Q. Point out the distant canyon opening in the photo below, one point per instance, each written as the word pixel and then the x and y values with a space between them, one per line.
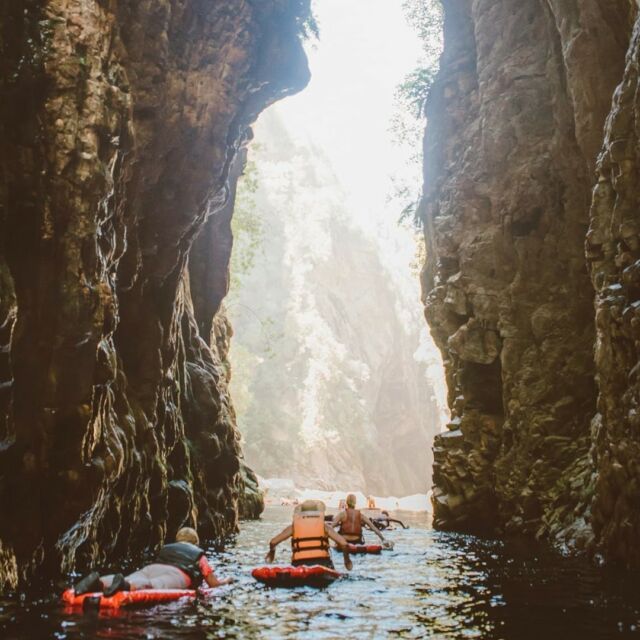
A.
pixel 336 382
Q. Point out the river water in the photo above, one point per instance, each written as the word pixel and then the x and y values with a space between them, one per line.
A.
pixel 432 585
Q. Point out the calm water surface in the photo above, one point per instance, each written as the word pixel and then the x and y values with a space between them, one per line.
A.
pixel 433 585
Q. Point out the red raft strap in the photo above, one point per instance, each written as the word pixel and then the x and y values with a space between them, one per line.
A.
pixel 127 598
pixel 365 548
pixel 302 573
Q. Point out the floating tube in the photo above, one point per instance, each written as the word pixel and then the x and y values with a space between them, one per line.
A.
pixel 315 575
pixel 365 548
pixel 384 523
pixel 140 597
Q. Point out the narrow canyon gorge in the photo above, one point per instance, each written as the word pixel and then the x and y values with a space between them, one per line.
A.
pixel 124 127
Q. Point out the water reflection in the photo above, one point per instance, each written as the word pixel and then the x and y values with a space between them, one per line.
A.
pixel 433 585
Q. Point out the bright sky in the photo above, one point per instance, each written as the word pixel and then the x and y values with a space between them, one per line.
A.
pixel 366 49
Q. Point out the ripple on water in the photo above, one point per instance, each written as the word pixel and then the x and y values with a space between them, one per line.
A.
pixel 432 585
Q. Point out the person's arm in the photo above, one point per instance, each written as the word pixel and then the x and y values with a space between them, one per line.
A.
pixel 338 518
pixel 275 541
pixel 376 531
pixel 209 575
pixel 212 581
pixel 342 544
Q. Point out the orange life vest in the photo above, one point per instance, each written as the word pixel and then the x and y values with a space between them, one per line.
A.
pixel 352 525
pixel 309 539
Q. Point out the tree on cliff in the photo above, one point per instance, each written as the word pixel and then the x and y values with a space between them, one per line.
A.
pixel 411 97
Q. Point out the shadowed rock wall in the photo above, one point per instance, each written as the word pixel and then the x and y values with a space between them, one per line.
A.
pixel 120 122
pixel 613 250
pixel 516 121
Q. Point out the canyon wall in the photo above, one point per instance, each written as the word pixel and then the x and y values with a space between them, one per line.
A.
pixel 122 124
pixel 544 437
pixel 327 387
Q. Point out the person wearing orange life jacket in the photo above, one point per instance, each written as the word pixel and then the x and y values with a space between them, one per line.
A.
pixel 350 521
pixel 310 535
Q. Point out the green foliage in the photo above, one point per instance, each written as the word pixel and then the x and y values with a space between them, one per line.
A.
pixel 426 17
pixel 246 226
pixel 407 124
pixel 406 195
pixel 245 364
pixel 410 213
pixel 267 335
pixel 413 92
pixel 248 231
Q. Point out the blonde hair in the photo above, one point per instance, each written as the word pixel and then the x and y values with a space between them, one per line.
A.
pixel 187 534
pixel 351 501
pixel 312 505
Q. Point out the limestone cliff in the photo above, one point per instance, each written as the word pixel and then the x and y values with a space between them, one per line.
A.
pixel 516 121
pixel 121 124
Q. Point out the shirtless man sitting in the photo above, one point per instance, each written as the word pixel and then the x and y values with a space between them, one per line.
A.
pixel 350 522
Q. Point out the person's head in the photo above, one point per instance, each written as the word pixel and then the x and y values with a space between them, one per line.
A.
pixel 351 501
pixel 312 505
pixel 187 534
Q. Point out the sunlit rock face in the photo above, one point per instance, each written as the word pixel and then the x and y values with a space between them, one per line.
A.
pixel 328 389
pixel 120 126
pixel 515 128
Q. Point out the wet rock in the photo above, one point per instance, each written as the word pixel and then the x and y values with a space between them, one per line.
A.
pixel 615 273
pixel 509 172
pixel 473 344
pixel 251 499
pixel 121 126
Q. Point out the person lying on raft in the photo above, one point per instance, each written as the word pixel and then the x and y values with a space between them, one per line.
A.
pixel 350 521
pixel 310 535
pixel 179 565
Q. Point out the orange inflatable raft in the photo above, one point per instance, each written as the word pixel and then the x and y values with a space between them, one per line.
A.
pixel 142 597
pixel 365 548
pixel 315 576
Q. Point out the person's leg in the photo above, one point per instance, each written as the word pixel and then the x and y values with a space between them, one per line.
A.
pixel 153 576
pixel 88 584
pixel 139 579
pixel 106 580
pixel 164 576
pixel 119 583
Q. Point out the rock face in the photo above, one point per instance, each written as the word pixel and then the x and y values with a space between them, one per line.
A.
pixel 516 122
pixel 327 388
pixel 121 127
pixel 251 500
pixel 613 250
